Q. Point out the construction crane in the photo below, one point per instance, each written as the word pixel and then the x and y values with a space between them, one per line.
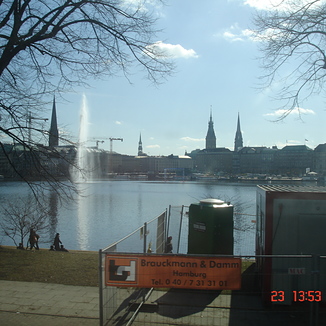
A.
pixel 111 143
pixel 97 141
pixel 29 122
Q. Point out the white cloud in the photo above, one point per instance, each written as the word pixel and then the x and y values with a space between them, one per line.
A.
pixel 192 139
pixel 295 111
pixel 276 4
pixel 263 4
pixel 172 51
pixel 118 122
pixel 235 34
pixel 232 37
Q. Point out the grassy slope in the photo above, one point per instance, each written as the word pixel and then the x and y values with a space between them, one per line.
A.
pixel 70 268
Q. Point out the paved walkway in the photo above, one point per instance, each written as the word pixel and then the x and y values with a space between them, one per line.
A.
pixel 39 304
pixel 205 308
pixel 31 303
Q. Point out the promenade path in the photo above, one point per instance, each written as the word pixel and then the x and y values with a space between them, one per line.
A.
pixel 39 304
pixel 34 303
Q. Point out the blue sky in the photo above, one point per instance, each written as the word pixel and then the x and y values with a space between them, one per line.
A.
pixel 216 66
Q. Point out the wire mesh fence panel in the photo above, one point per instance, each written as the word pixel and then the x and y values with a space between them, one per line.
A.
pixel 291 300
pixel 118 305
pixel 183 240
pixel 321 280
pixel 275 289
pixel 133 242
pixel 155 241
pixel 175 226
pixel 287 287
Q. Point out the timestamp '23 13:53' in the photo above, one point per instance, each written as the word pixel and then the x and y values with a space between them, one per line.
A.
pixel 298 296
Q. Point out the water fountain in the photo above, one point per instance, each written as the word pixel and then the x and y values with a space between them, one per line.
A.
pixel 84 159
pixel 82 174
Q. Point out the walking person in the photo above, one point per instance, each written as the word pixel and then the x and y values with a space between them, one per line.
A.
pixel 36 240
pixel 57 242
pixel 33 239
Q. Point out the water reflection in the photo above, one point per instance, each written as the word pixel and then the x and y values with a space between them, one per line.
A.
pixel 53 213
pixel 83 216
pixel 109 210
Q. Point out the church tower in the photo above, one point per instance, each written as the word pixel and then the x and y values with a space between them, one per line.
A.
pixel 53 132
pixel 140 146
pixel 238 142
pixel 210 137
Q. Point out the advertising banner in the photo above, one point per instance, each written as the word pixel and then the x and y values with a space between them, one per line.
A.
pixel 173 271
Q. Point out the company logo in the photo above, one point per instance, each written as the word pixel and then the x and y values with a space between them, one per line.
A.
pixel 121 270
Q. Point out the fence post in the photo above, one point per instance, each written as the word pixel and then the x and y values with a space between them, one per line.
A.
pixel 100 287
pixel 145 238
pixel 181 214
pixel 168 223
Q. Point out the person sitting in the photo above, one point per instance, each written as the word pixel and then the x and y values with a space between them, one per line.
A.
pixel 62 248
pixel 20 246
pixel 52 248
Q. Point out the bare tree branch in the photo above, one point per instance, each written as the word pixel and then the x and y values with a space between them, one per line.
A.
pixel 19 217
pixel 294 33
pixel 49 46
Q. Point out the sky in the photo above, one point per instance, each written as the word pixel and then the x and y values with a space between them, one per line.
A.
pixel 217 68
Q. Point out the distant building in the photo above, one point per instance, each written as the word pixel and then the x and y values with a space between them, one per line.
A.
pixel 319 159
pixel 210 137
pixel 259 160
pixel 140 147
pixel 53 132
pixel 153 164
pixel 238 142
pixel 7 155
pixel 214 160
pixel 294 160
pixel 17 162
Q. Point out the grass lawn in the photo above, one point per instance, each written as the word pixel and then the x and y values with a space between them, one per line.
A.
pixel 69 268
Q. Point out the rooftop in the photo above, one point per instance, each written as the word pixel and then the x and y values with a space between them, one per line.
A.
pixel 293 188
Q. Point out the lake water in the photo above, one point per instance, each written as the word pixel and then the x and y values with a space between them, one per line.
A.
pixel 109 210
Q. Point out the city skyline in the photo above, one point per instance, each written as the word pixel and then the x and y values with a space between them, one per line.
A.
pixel 216 66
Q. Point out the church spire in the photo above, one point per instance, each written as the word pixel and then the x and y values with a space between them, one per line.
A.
pixel 238 142
pixel 210 137
pixel 140 146
pixel 53 132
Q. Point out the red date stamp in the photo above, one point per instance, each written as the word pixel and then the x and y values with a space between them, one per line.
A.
pixel 297 296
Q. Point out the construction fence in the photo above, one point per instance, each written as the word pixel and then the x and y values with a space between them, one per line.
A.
pixel 207 289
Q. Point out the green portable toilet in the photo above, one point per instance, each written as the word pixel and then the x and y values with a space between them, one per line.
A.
pixel 210 227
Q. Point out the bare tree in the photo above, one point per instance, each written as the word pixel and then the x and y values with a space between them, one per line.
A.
pixel 19 217
pixel 49 46
pixel 293 36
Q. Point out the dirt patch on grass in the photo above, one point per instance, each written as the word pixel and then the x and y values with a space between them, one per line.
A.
pixel 69 268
